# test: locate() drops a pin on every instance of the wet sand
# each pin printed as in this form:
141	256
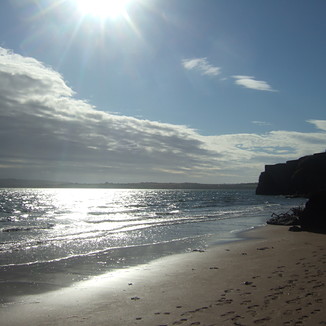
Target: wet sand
275	277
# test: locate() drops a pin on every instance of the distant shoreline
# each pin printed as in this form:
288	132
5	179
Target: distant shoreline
21	183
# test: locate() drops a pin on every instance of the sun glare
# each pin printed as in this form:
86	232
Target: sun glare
103	8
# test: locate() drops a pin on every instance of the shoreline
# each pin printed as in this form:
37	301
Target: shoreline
274	277
42	277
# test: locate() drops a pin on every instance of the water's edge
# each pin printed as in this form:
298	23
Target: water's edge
50	239
37	278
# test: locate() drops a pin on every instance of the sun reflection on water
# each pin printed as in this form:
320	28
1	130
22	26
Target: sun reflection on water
40	225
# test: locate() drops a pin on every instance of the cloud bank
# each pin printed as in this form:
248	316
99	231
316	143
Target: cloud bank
46	133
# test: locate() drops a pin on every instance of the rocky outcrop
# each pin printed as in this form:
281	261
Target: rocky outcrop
292	217
313	216
300	177
303	177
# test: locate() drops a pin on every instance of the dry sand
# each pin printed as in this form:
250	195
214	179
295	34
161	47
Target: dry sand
274	278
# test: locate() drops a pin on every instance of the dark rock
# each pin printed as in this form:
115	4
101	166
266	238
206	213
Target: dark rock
247	283
289	218
297	177
305	177
310	218
295	228
314	214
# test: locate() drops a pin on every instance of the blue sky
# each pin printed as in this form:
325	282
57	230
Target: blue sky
186	90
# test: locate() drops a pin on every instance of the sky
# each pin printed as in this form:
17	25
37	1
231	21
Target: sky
159	90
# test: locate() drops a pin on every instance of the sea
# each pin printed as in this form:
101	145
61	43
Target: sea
127	227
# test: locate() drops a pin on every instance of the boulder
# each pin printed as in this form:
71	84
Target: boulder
314	214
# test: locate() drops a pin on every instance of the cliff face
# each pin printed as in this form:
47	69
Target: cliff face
298	177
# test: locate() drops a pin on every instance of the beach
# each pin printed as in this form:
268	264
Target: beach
273	277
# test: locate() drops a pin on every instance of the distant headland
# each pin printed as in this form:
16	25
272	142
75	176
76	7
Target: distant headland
23	183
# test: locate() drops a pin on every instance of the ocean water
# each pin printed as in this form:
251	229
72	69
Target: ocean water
48	226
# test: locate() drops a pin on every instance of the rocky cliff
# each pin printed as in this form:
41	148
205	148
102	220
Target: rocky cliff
301	177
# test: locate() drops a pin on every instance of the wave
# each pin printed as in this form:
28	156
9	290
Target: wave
26	228
104	251
59	226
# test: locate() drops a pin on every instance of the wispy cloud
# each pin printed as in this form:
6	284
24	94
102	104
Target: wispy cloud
47	133
201	65
261	123
205	68
252	83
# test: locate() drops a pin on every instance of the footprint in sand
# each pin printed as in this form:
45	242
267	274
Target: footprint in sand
179	322
200	309
253	313
236	317
245	302
262	320
318	286
228	313
263	248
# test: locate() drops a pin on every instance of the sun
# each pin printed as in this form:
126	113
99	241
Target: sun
103	8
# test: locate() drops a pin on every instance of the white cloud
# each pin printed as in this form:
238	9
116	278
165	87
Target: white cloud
320	124
48	134
201	65
252	83
205	68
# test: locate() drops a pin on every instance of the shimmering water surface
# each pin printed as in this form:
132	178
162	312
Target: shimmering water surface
50	225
